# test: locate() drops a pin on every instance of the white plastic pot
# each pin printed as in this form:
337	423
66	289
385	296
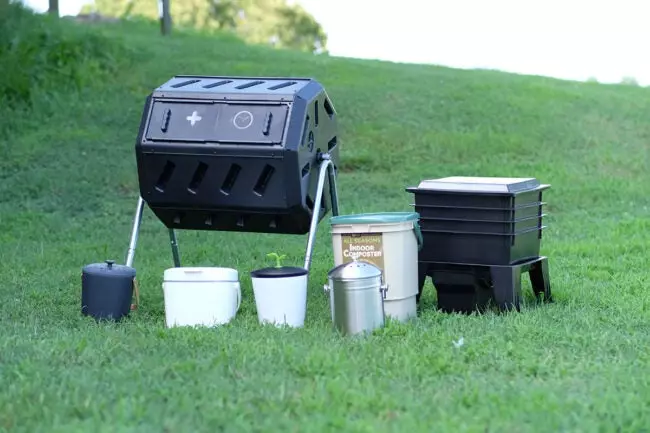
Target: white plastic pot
201	296
281	295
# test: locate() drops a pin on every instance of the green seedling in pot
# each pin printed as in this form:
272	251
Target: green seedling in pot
278	258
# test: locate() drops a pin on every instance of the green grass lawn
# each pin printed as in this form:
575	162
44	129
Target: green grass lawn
68	191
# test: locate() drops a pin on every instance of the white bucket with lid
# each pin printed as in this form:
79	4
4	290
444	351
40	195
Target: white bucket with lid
201	296
390	241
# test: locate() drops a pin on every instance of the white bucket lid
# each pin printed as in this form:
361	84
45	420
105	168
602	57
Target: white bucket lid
201	274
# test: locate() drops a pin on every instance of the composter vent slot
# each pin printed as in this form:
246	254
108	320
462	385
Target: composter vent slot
241	221
282	85
249	84
199	174
331	144
184	83
165	175
327	105
304	132
316	113
230	179
217	84
305	170
310	202
263	180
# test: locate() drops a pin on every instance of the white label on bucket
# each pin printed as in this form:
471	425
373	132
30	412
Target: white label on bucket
367	247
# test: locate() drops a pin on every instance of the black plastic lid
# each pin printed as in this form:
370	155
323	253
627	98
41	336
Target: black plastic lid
109	269
282	272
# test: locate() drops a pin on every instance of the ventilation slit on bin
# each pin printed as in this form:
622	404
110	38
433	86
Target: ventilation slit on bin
304	132
164	124
331	144
316	113
184	83
217	84
263	180
199	174
282	85
164	177
305	170
327	105
230	179
241	221
249	84
267	123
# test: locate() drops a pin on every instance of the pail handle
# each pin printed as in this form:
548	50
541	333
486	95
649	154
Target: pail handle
238	295
383	289
418	234
136	290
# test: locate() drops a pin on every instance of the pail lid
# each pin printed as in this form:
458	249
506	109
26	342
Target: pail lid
109	269
375	218
354	270
281	272
201	274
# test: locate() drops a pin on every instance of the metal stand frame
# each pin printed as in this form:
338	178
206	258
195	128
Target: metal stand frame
137	220
326	168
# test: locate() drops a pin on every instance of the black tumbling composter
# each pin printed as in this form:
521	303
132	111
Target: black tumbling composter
245	154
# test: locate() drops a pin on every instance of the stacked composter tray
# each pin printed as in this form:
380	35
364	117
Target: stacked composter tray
480	234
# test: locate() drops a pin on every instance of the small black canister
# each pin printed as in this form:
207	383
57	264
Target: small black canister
107	290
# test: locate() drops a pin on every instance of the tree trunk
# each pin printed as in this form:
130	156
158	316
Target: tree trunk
54	7
165	19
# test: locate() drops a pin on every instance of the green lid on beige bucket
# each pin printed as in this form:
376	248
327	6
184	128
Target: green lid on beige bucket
375	218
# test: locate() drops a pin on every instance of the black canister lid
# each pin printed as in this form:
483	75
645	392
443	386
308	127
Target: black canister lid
282	272
109	268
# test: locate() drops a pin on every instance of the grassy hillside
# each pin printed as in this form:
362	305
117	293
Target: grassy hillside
68	190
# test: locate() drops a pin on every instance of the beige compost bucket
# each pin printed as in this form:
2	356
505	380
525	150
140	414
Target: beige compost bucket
390	241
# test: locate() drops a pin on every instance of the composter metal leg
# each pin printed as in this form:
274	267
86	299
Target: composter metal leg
334	195
130	254
174	244
326	168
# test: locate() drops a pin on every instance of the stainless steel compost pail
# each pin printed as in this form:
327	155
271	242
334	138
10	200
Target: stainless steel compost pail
356	297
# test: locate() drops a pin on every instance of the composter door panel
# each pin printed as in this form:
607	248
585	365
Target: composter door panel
211	122
190	121
213	182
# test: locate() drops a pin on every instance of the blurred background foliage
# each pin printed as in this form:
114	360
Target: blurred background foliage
277	23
